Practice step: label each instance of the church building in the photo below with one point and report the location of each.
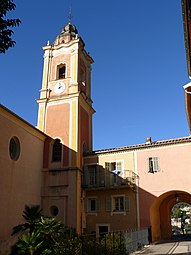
(54, 165)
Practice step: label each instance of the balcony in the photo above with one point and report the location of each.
(104, 179)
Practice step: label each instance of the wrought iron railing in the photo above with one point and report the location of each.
(116, 243)
(102, 178)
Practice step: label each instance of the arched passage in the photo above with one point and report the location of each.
(160, 213)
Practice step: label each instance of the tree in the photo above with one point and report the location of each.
(43, 235)
(28, 244)
(5, 24)
(31, 214)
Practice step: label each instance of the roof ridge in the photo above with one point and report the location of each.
(143, 145)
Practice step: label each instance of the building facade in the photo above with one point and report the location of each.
(54, 165)
(21, 165)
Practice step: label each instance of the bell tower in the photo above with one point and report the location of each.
(65, 114)
(65, 105)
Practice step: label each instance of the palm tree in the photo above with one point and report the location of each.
(44, 235)
(31, 214)
(28, 243)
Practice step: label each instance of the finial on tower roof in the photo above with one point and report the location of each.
(70, 15)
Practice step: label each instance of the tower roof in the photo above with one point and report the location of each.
(69, 29)
(69, 32)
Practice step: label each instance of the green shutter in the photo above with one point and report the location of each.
(127, 204)
(107, 173)
(97, 205)
(108, 204)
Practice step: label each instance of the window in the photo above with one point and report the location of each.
(92, 175)
(61, 72)
(112, 166)
(153, 164)
(92, 205)
(103, 230)
(57, 151)
(82, 73)
(114, 172)
(117, 204)
(14, 148)
(54, 210)
(83, 77)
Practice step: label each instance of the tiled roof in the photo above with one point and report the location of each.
(174, 141)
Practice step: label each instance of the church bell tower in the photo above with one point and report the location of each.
(65, 114)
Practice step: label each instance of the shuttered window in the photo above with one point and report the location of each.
(117, 204)
(92, 205)
(112, 172)
(92, 175)
(153, 164)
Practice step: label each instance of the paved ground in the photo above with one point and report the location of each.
(178, 246)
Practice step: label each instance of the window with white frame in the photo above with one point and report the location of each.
(112, 166)
(113, 171)
(153, 164)
(92, 205)
(117, 203)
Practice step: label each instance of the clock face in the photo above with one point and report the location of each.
(59, 87)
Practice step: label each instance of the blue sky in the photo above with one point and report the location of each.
(139, 70)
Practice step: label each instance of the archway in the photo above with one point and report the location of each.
(160, 213)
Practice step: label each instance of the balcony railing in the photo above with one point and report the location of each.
(102, 178)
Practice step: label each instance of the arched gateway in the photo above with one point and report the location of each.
(160, 213)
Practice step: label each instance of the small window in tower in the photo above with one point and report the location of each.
(61, 72)
(57, 151)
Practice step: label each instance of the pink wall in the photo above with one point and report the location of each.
(175, 174)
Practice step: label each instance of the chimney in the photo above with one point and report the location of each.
(148, 140)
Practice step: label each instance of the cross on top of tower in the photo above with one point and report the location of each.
(70, 15)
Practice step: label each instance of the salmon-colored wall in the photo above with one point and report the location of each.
(57, 60)
(20, 180)
(116, 221)
(57, 122)
(175, 174)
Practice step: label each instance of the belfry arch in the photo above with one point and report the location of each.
(160, 213)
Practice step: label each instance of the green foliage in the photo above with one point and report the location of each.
(112, 243)
(5, 24)
(176, 210)
(42, 235)
(29, 243)
(115, 244)
(31, 214)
